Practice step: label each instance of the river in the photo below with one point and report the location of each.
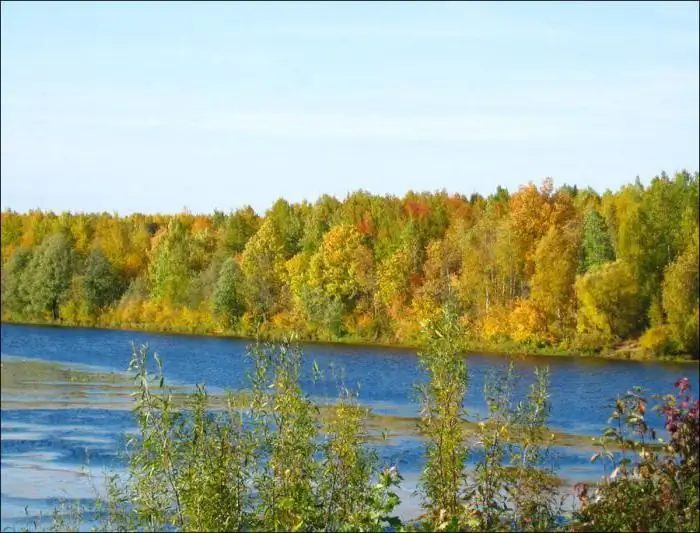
(65, 403)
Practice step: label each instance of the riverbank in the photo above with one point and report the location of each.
(626, 351)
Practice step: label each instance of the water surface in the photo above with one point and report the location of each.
(65, 402)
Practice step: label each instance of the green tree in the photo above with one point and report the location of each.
(101, 284)
(318, 222)
(137, 291)
(15, 291)
(50, 272)
(202, 285)
(238, 228)
(169, 271)
(596, 247)
(288, 224)
(442, 417)
(227, 300)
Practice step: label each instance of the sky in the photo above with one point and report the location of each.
(156, 107)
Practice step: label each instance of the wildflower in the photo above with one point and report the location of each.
(682, 385)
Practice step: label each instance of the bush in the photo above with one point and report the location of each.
(271, 466)
(653, 485)
(658, 340)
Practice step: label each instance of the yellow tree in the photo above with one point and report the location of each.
(552, 285)
(680, 298)
(262, 263)
(530, 210)
(342, 267)
(442, 266)
(305, 301)
(136, 259)
(490, 278)
(393, 281)
(81, 230)
(608, 301)
(11, 224)
(112, 237)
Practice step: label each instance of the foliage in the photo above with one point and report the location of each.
(342, 266)
(169, 270)
(441, 418)
(538, 269)
(101, 284)
(261, 266)
(596, 247)
(227, 299)
(658, 340)
(270, 465)
(552, 284)
(15, 293)
(608, 300)
(49, 274)
(654, 483)
(681, 298)
(513, 485)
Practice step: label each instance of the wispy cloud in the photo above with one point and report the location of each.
(427, 128)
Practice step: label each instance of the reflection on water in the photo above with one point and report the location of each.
(66, 405)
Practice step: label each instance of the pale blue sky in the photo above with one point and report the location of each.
(155, 106)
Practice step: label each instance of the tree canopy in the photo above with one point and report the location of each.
(542, 266)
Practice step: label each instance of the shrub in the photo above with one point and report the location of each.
(271, 466)
(653, 485)
(658, 340)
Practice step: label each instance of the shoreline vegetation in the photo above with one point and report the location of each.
(271, 459)
(537, 271)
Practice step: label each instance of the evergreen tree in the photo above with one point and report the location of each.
(596, 247)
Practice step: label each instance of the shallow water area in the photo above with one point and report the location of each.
(66, 400)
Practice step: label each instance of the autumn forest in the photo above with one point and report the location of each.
(541, 269)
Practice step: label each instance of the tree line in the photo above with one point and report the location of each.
(537, 269)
